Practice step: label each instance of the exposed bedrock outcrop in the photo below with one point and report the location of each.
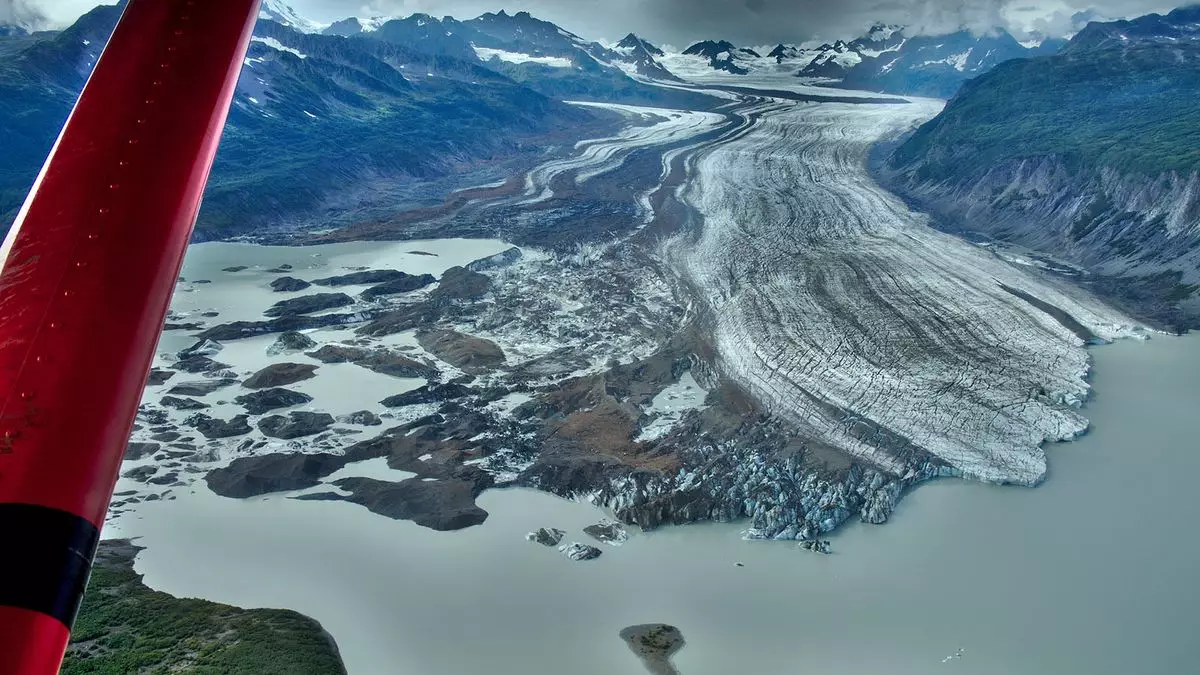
(214, 429)
(265, 400)
(471, 354)
(441, 496)
(296, 424)
(289, 285)
(280, 375)
(308, 304)
(379, 360)
(264, 474)
(291, 341)
(199, 364)
(201, 387)
(365, 277)
(406, 284)
(447, 504)
(460, 283)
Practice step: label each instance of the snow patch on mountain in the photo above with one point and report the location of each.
(957, 61)
(487, 54)
(277, 46)
(281, 12)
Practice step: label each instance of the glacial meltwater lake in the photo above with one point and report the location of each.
(1093, 572)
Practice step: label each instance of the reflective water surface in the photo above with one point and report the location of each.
(1093, 572)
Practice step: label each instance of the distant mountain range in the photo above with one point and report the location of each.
(363, 120)
(938, 65)
(559, 63)
(1092, 155)
(333, 119)
(884, 59)
(723, 56)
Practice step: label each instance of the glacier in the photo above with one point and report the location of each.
(848, 315)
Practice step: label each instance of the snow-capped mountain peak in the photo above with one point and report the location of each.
(723, 55)
(356, 25)
(281, 12)
(633, 42)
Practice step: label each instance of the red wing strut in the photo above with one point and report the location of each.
(86, 278)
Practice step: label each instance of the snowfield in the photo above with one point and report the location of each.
(845, 313)
(277, 46)
(487, 54)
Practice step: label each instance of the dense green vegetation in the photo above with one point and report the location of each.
(125, 627)
(1133, 109)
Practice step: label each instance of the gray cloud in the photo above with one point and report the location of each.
(747, 22)
(680, 22)
(24, 13)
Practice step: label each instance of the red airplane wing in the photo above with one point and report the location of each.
(86, 278)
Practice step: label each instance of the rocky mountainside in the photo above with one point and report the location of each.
(828, 61)
(40, 76)
(936, 65)
(723, 55)
(643, 56)
(783, 52)
(315, 117)
(426, 34)
(632, 41)
(536, 53)
(884, 59)
(282, 13)
(879, 38)
(1092, 155)
(832, 61)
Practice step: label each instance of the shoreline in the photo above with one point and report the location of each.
(849, 542)
(537, 370)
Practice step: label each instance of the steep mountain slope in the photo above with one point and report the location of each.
(354, 26)
(282, 13)
(883, 59)
(935, 65)
(541, 56)
(879, 38)
(427, 35)
(783, 52)
(1092, 155)
(832, 61)
(315, 117)
(723, 55)
(40, 76)
(642, 55)
(632, 41)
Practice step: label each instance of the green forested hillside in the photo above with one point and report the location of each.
(1134, 109)
(125, 627)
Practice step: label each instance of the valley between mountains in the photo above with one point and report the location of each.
(709, 315)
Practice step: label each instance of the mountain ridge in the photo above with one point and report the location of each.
(1092, 154)
(312, 116)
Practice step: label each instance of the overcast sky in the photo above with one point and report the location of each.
(681, 22)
